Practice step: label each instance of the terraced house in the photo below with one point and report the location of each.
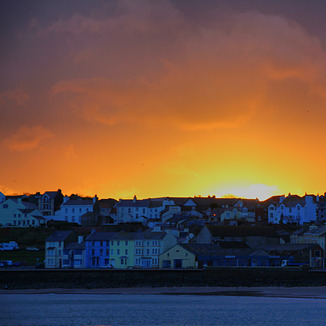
(97, 246)
(139, 249)
(136, 210)
(54, 247)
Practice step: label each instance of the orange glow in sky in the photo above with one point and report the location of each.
(167, 98)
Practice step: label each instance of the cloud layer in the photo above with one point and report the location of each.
(132, 90)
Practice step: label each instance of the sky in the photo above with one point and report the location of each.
(163, 98)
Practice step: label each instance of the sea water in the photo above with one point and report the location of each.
(102, 309)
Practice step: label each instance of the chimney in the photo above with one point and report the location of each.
(65, 199)
(95, 199)
(317, 198)
(156, 228)
(135, 199)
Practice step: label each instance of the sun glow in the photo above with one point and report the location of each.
(260, 191)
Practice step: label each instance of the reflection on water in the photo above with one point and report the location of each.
(91, 309)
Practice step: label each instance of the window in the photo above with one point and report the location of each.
(111, 251)
(126, 243)
(126, 252)
(118, 252)
(80, 210)
(5, 206)
(73, 210)
(112, 242)
(122, 261)
(101, 252)
(118, 243)
(147, 251)
(143, 210)
(14, 215)
(93, 252)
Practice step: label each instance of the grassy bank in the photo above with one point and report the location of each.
(26, 237)
(29, 257)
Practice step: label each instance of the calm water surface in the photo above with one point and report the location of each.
(93, 309)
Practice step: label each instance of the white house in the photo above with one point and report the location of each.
(293, 209)
(2, 197)
(136, 210)
(54, 248)
(72, 210)
(19, 213)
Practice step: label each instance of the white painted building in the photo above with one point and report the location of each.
(140, 210)
(72, 209)
(293, 209)
(18, 213)
(2, 197)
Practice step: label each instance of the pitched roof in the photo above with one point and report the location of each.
(294, 200)
(40, 218)
(78, 202)
(134, 203)
(58, 236)
(26, 211)
(155, 203)
(147, 235)
(100, 236)
(288, 246)
(51, 194)
(106, 203)
(214, 250)
(75, 245)
(242, 231)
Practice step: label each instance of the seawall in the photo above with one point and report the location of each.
(91, 279)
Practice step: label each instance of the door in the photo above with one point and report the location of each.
(177, 263)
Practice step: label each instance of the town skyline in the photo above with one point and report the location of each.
(172, 97)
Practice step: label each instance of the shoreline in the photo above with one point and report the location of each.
(276, 292)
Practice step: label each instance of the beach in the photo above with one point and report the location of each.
(278, 292)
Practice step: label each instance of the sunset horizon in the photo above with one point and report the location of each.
(180, 98)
